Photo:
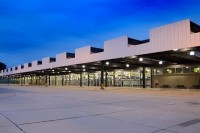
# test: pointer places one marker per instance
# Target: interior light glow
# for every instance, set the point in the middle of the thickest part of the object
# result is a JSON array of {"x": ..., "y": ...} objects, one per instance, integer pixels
[
  {"x": 192, "y": 53},
  {"x": 140, "y": 59},
  {"x": 160, "y": 62}
]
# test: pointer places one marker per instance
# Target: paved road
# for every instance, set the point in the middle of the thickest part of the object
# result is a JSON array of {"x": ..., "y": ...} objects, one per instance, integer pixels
[{"x": 26, "y": 109}]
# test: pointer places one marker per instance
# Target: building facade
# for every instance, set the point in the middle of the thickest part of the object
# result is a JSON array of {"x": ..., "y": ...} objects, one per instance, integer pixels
[{"x": 169, "y": 58}]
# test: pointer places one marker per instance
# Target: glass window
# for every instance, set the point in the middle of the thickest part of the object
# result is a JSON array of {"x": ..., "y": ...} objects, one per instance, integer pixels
[
  {"x": 168, "y": 70},
  {"x": 179, "y": 70},
  {"x": 186, "y": 69},
  {"x": 148, "y": 72},
  {"x": 158, "y": 71},
  {"x": 165, "y": 70}
]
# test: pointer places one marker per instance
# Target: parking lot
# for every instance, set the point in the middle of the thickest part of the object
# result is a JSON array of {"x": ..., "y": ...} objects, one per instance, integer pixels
[{"x": 34, "y": 109}]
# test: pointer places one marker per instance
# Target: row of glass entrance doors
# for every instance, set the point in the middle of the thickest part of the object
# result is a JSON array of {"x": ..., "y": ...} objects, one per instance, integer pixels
[{"x": 118, "y": 78}]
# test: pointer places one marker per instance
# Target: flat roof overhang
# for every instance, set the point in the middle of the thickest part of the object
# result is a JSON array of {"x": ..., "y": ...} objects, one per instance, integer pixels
[
  {"x": 172, "y": 57},
  {"x": 177, "y": 57}
]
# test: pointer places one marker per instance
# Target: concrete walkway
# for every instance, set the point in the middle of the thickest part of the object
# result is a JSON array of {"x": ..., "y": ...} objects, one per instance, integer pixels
[{"x": 25, "y": 109}]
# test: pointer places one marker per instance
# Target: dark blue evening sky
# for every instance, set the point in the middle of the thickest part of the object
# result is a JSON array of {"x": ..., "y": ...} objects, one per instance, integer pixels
[{"x": 34, "y": 29}]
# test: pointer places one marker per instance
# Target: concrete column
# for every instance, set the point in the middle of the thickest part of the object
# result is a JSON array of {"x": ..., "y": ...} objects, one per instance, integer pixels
[
  {"x": 143, "y": 77},
  {"x": 102, "y": 76},
  {"x": 81, "y": 79}
]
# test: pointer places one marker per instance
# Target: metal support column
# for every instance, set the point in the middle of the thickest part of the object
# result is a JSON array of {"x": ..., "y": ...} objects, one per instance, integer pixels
[
  {"x": 46, "y": 76},
  {"x": 114, "y": 78},
  {"x": 24, "y": 80},
  {"x": 38, "y": 83},
  {"x": 69, "y": 78},
  {"x": 143, "y": 77},
  {"x": 102, "y": 75},
  {"x": 88, "y": 79},
  {"x": 106, "y": 79},
  {"x": 81, "y": 79},
  {"x": 62, "y": 80},
  {"x": 8, "y": 80},
  {"x": 55, "y": 80},
  {"x": 49, "y": 80},
  {"x": 31, "y": 79},
  {"x": 151, "y": 78},
  {"x": 35, "y": 79}
]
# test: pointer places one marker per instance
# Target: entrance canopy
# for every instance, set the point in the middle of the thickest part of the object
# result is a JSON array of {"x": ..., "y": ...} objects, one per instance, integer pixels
[{"x": 185, "y": 57}]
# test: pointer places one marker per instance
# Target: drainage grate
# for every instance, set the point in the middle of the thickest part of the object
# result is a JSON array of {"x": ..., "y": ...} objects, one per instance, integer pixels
[{"x": 189, "y": 123}]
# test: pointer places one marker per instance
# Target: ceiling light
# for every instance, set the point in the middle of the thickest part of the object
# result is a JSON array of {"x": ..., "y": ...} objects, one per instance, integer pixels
[
  {"x": 160, "y": 62},
  {"x": 192, "y": 53},
  {"x": 175, "y": 49},
  {"x": 69, "y": 71},
  {"x": 84, "y": 70},
  {"x": 66, "y": 68},
  {"x": 52, "y": 70},
  {"x": 107, "y": 63},
  {"x": 140, "y": 59},
  {"x": 133, "y": 56},
  {"x": 127, "y": 65},
  {"x": 83, "y": 66},
  {"x": 187, "y": 67}
]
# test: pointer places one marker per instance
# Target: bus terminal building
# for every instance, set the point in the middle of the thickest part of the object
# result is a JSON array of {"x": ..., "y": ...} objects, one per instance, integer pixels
[{"x": 170, "y": 58}]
